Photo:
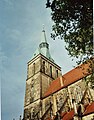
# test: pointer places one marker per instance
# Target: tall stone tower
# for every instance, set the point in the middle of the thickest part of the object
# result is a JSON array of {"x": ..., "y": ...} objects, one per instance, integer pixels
[{"x": 41, "y": 70}]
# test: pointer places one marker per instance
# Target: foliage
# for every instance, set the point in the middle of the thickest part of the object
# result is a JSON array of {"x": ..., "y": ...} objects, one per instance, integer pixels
[
  {"x": 90, "y": 79},
  {"x": 73, "y": 22}
]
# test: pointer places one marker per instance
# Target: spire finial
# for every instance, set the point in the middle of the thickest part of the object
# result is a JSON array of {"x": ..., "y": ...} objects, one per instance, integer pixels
[{"x": 43, "y": 28}]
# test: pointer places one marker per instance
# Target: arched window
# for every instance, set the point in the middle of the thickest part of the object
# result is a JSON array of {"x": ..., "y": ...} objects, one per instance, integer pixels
[
  {"x": 51, "y": 71},
  {"x": 77, "y": 94},
  {"x": 56, "y": 73},
  {"x": 34, "y": 68},
  {"x": 32, "y": 89},
  {"x": 43, "y": 66}
]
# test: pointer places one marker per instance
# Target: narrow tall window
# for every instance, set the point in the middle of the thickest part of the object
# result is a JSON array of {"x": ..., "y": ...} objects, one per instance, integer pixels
[
  {"x": 56, "y": 73},
  {"x": 78, "y": 94},
  {"x": 51, "y": 71},
  {"x": 34, "y": 68},
  {"x": 32, "y": 90},
  {"x": 43, "y": 66}
]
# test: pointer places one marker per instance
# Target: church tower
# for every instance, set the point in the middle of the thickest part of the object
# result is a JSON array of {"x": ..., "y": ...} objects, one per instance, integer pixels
[{"x": 41, "y": 71}]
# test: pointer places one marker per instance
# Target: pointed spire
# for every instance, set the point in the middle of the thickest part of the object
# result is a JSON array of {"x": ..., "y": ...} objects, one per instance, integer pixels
[
  {"x": 43, "y": 47},
  {"x": 43, "y": 43},
  {"x": 43, "y": 36}
]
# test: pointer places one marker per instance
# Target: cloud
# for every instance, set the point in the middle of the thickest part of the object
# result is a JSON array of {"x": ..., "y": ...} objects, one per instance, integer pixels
[
  {"x": 14, "y": 34},
  {"x": 2, "y": 57},
  {"x": 9, "y": 2}
]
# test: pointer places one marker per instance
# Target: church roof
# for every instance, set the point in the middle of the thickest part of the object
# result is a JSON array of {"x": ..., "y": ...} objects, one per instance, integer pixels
[
  {"x": 43, "y": 47},
  {"x": 68, "y": 78},
  {"x": 69, "y": 115},
  {"x": 89, "y": 109}
]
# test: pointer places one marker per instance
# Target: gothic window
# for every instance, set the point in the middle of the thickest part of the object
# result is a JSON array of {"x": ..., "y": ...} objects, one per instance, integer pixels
[
  {"x": 59, "y": 100},
  {"x": 61, "y": 97},
  {"x": 56, "y": 73},
  {"x": 47, "y": 104},
  {"x": 43, "y": 66},
  {"x": 32, "y": 90},
  {"x": 77, "y": 94},
  {"x": 32, "y": 113},
  {"x": 37, "y": 90},
  {"x": 51, "y": 71},
  {"x": 34, "y": 68}
]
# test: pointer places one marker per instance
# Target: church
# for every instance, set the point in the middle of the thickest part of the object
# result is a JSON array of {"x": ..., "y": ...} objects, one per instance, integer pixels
[{"x": 49, "y": 95}]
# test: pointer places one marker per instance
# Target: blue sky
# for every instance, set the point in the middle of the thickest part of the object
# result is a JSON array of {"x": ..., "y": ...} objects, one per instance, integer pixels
[{"x": 21, "y": 24}]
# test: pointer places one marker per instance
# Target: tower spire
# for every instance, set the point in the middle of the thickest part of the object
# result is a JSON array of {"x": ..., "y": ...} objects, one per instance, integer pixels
[
  {"x": 43, "y": 36},
  {"x": 43, "y": 46}
]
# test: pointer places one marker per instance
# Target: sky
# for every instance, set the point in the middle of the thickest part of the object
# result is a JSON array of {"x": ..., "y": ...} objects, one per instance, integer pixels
[{"x": 21, "y": 23}]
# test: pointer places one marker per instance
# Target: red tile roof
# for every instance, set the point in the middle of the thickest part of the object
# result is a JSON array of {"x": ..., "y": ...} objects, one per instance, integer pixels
[
  {"x": 68, "y": 115},
  {"x": 89, "y": 109},
  {"x": 69, "y": 78},
  {"x": 48, "y": 118}
]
